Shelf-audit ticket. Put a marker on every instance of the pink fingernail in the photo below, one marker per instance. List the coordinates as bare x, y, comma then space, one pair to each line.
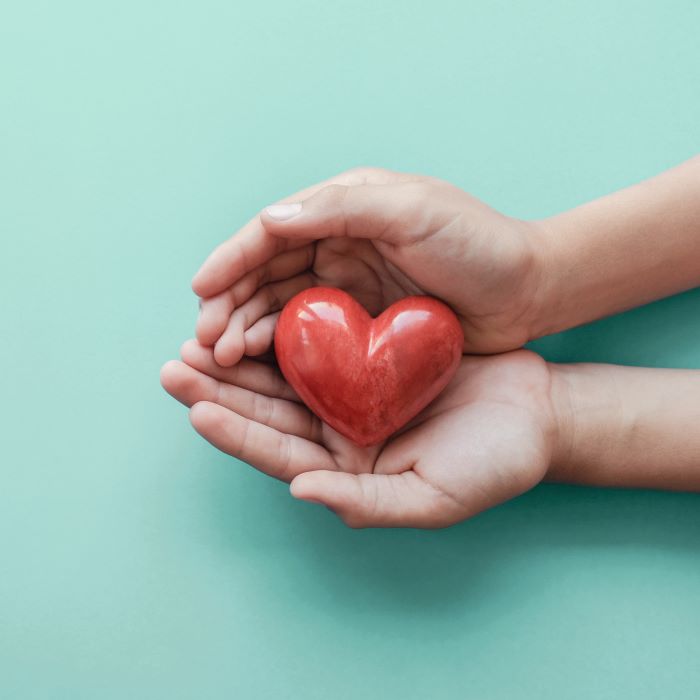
282, 212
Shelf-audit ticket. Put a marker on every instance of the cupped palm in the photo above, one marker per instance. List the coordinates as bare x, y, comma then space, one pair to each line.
487, 438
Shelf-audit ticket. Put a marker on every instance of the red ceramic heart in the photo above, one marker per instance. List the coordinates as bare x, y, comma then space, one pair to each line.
366, 377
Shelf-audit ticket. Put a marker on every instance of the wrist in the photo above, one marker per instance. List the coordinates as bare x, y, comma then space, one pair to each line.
593, 427
562, 399
541, 238
552, 271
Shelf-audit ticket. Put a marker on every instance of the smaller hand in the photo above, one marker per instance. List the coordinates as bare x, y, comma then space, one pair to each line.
488, 437
380, 236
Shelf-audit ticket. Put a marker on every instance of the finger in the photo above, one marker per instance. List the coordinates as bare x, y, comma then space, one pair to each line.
259, 337
214, 314
253, 245
378, 500
273, 452
249, 374
216, 311
281, 267
230, 347
190, 386
250, 247
395, 213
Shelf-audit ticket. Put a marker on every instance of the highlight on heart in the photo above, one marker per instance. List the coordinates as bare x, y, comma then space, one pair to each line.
368, 341
366, 377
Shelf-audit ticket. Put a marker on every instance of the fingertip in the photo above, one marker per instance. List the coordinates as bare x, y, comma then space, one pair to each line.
302, 489
292, 226
196, 355
298, 488
214, 316
168, 374
202, 415
254, 347
211, 279
319, 486
334, 490
279, 213
199, 284
189, 348
206, 335
310, 499
202, 281
184, 383
227, 352
258, 339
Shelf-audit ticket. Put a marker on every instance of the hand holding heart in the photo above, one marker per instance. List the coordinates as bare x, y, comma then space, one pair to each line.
366, 377
382, 237
382, 445
486, 438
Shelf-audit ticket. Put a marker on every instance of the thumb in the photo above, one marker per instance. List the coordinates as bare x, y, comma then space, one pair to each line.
396, 213
377, 500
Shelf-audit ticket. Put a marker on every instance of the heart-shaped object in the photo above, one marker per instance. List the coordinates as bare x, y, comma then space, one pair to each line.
366, 377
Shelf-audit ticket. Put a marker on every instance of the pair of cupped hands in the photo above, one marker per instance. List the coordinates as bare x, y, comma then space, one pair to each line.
380, 236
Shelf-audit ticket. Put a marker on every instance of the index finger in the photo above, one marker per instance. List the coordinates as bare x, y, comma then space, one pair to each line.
253, 246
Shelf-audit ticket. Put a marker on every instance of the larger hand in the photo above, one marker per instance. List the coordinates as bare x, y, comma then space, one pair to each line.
487, 438
380, 236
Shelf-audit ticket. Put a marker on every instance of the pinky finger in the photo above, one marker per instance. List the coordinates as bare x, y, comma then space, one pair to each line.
231, 345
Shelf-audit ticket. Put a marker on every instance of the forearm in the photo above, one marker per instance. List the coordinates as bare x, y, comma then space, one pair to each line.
626, 426
626, 249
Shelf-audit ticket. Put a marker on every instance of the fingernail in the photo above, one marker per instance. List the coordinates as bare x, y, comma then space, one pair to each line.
308, 499
282, 212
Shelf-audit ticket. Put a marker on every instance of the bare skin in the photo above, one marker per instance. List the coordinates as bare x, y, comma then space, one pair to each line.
506, 421
488, 437
380, 236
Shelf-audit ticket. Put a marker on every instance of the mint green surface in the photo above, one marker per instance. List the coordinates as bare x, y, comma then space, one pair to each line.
138, 562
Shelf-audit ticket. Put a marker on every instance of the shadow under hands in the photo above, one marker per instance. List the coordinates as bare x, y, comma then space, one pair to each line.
435, 573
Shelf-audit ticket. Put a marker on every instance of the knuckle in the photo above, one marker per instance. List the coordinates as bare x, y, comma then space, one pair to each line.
419, 190
284, 457
262, 408
243, 439
335, 192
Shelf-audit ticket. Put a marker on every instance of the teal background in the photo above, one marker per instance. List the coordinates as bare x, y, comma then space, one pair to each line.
138, 562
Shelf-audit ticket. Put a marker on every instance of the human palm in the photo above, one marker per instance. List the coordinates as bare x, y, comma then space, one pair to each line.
487, 438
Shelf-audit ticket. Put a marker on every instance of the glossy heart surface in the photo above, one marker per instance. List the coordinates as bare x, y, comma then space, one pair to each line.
366, 377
